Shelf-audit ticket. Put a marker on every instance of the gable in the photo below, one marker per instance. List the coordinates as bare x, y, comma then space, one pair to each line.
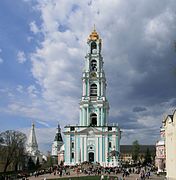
90, 131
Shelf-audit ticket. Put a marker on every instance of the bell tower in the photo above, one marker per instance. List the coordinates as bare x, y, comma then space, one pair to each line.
94, 107
93, 140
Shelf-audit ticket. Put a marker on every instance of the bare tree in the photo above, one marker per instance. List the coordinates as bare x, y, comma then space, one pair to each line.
12, 147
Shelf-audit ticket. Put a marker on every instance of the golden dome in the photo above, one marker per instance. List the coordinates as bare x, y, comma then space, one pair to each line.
94, 35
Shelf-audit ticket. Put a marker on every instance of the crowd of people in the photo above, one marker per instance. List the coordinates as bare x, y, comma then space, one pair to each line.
87, 168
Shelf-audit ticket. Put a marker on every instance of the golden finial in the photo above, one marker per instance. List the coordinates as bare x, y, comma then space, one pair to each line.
94, 28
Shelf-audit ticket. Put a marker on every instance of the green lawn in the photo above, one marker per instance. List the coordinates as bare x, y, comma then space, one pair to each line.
81, 178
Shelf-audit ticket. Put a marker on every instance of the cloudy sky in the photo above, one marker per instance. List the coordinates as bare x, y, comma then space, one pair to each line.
42, 49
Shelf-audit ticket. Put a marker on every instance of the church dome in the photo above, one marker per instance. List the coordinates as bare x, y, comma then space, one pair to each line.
94, 35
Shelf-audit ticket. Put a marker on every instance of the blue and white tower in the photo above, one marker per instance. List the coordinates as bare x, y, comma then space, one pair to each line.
93, 140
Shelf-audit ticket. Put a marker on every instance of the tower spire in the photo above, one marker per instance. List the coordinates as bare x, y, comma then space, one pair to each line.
32, 145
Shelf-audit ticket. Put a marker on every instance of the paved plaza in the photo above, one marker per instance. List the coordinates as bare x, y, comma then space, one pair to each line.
131, 177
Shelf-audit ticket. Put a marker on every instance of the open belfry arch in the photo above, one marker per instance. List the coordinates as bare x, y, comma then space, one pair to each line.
93, 140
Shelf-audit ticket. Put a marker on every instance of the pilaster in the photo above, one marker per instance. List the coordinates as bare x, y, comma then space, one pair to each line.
102, 116
84, 87
106, 148
84, 114
82, 148
96, 149
99, 117
101, 148
102, 94
87, 122
85, 149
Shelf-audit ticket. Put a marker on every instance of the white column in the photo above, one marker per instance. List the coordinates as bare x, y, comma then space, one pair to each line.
75, 150
96, 149
102, 123
83, 87
85, 149
98, 88
80, 117
107, 115
99, 120
87, 122
83, 116
106, 148
67, 150
81, 143
102, 88
88, 88
84, 120
100, 150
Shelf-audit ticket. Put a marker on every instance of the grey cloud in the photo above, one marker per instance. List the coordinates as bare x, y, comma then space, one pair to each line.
139, 60
141, 135
127, 120
139, 109
173, 102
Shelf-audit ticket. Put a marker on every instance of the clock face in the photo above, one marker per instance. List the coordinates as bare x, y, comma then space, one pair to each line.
93, 75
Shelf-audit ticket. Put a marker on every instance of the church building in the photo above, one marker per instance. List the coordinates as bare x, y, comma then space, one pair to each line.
93, 140
32, 147
57, 144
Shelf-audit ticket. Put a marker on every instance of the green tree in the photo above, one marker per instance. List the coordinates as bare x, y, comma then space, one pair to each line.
37, 164
30, 164
12, 147
48, 163
135, 151
147, 157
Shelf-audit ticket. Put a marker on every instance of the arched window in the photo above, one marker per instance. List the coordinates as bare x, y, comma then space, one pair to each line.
93, 46
93, 119
93, 90
93, 65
